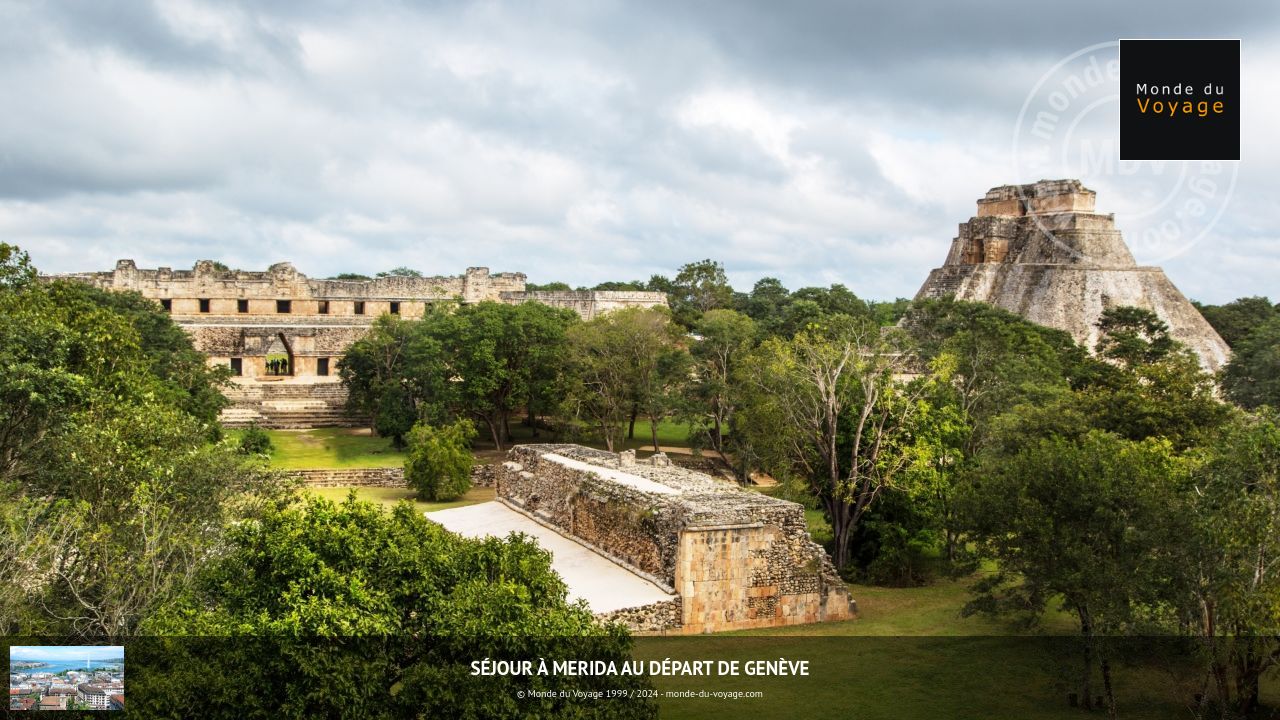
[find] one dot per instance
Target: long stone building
(1042, 251)
(282, 333)
(660, 548)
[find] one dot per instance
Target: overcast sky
(578, 141)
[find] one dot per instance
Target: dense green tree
(375, 370)
(345, 610)
(107, 465)
(829, 407)
(1146, 384)
(622, 285)
(556, 285)
(350, 276)
(723, 338)
(622, 362)
(1078, 520)
(439, 461)
(401, 271)
(698, 287)
(1223, 535)
(482, 361)
(1252, 376)
(766, 304)
(1237, 319)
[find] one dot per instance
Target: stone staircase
(288, 406)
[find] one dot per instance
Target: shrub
(255, 441)
(439, 461)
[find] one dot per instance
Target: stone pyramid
(1041, 251)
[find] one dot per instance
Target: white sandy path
(604, 584)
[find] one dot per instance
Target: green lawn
(331, 448)
(389, 497)
(357, 447)
(910, 655)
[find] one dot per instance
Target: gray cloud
(579, 141)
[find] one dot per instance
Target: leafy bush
(256, 441)
(439, 462)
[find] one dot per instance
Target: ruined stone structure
(1041, 251)
(282, 333)
(731, 559)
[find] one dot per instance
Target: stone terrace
(737, 559)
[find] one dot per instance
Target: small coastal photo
(66, 677)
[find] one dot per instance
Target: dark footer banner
(668, 677)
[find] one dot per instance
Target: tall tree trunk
(493, 432)
(631, 427)
(653, 432)
(841, 529)
(506, 426)
(531, 418)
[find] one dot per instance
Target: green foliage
(255, 441)
(481, 361)
(350, 276)
(624, 362)
(401, 271)
(439, 462)
(1133, 336)
(723, 338)
(828, 406)
(395, 414)
(106, 420)
(551, 286)
(409, 606)
(1252, 376)
(1236, 320)
(698, 287)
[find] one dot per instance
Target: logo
(1069, 127)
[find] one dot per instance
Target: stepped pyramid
(1041, 251)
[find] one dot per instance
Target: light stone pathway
(605, 585)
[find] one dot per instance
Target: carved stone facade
(281, 324)
(734, 559)
(1041, 251)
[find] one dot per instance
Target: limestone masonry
(1041, 251)
(733, 559)
(283, 333)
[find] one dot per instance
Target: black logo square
(1179, 99)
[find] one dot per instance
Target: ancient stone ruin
(282, 333)
(1041, 251)
(723, 558)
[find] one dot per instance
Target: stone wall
(242, 316)
(356, 477)
(481, 476)
(737, 559)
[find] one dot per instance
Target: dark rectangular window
(242, 306)
(359, 307)
(167, 304)
(204, 305)
(237, 367)
(323, 307)
(395, 307)
(322, 366)
(284, 306)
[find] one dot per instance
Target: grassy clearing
(331, 448)
(389, 497)
(342, 448)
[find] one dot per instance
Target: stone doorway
(279, 360)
